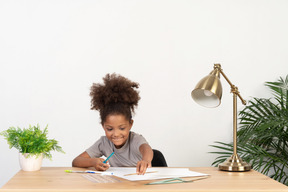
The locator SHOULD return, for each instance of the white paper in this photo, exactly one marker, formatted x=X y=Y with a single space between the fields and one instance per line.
x=160 y=173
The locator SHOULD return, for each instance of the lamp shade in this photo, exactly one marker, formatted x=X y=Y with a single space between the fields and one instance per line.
x=208 y=91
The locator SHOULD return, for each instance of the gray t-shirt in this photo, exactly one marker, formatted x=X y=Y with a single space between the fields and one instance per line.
x=126 y=156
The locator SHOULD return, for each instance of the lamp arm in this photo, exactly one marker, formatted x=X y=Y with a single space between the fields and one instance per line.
x=234 y=89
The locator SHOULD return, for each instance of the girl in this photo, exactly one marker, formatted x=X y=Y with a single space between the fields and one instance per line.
x=116 y=100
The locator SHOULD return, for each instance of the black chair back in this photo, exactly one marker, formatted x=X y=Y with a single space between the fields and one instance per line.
x=158 y=159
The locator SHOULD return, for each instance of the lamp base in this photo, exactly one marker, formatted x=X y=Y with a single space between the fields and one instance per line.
x=234 y=163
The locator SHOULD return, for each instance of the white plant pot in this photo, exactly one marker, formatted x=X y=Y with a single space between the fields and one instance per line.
x=32 y=163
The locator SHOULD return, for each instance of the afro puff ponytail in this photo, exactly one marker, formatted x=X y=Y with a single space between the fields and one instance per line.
x=117 y=95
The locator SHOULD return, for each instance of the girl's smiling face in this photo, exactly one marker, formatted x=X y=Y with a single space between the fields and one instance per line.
x=117 y=129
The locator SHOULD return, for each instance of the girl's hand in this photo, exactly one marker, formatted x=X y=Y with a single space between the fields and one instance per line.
x=142 y=166
x=99 y=165
x=84 y=160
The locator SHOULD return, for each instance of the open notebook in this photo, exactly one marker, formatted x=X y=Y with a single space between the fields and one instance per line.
x=151 y=173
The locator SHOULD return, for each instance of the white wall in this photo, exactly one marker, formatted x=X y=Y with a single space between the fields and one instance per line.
x=52 y=51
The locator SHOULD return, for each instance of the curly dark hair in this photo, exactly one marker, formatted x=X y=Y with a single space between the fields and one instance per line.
x=116 y=96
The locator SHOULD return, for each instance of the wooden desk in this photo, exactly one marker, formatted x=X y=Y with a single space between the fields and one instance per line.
x=56 y=179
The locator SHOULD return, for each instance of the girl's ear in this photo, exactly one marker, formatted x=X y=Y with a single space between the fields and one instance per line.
x=131 y=123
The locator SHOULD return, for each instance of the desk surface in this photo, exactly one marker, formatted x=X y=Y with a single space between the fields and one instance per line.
x=56 y=179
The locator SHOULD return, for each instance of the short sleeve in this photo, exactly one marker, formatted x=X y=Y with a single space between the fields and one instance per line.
x=137 y=140
x=95 y=150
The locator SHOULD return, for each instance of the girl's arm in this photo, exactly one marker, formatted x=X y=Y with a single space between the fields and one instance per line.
x=147 y=156
x=84 y=160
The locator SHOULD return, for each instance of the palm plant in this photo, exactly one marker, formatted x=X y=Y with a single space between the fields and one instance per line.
x=263 y=136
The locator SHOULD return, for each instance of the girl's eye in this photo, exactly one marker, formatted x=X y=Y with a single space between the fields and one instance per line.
x=108 y=129
x=122 y=129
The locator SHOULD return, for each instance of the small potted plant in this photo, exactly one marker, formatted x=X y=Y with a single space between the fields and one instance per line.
x=32 y=144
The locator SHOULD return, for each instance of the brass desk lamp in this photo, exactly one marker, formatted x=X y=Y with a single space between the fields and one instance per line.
x=208 y=93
